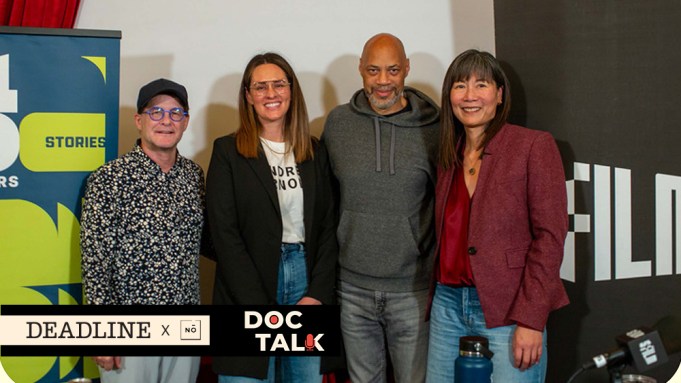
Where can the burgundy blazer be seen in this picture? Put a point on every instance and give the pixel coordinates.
(517, 227)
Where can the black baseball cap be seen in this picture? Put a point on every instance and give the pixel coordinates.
(162, 86)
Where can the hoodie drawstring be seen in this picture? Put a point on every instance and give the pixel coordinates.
(377, 131)
(392, 149)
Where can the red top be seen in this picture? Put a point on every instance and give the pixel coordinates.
(455, 267)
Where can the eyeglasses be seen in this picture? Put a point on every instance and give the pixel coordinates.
(157, 113)
(260, 88)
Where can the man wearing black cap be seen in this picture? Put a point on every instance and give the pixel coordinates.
(141, 229)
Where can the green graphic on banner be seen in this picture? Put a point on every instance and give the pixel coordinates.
(54, 255)
(58, 122)
(53, 142)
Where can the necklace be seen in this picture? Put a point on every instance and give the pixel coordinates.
(266, 143)
(471, 169)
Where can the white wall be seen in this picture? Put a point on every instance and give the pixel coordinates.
(205, 45)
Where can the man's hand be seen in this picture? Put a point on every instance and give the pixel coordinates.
(108, 363)
(527, 347)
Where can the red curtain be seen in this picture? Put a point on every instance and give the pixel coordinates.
(39, 13)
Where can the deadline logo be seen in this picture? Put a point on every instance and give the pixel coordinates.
(272, 341)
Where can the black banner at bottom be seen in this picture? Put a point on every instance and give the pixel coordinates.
(48, 330)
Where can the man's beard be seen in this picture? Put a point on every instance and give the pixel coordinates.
(382, 104)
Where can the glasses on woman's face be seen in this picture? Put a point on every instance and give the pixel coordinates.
(157, 113)
(260, 88)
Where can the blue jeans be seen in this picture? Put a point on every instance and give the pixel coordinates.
(370, 319)
(291, 287)
(456, 312)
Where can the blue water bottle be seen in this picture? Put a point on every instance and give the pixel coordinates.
(474, 364)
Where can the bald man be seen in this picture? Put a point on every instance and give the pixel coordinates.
(382, 147)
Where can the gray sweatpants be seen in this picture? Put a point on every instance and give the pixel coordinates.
(154, 369)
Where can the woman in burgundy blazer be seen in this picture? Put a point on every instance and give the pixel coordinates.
(501, 221)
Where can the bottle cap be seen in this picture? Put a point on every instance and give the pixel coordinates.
(477, 346)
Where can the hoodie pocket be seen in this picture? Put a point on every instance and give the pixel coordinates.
(377, 245)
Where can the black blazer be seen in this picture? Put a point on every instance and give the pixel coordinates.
(245, 225)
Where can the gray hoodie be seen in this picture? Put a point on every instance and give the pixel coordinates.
(385, 167)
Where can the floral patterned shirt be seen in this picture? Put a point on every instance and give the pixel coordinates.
(141, 232)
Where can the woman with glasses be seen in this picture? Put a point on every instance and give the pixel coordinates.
(500, 221)
(271, 214)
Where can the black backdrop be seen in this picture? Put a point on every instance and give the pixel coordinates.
(604, 77)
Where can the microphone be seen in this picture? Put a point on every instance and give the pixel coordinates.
(309, 342)
(643, 348)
